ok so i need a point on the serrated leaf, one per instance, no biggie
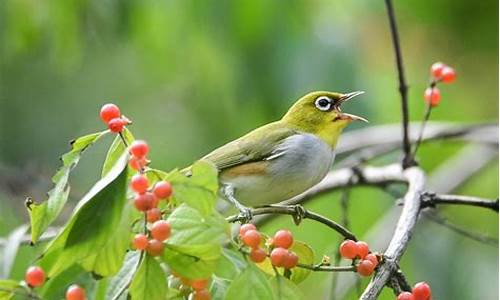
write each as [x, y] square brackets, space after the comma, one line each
[116, 150]
[149, 281]
[199, 190]
[306, 256]
[284, 289]
[43, 214]
[120, 282]
[10, 250]
[189, 227]
[251, 284]
[192, 261]
[8, 288]
[94, 221]
[230, 264]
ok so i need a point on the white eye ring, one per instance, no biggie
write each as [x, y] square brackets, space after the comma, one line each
[323, 103]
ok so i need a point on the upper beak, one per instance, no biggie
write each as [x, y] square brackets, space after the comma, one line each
[346, 116]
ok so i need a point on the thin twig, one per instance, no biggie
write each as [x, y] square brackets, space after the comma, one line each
[323, 268]
[403, 86]
[432, 199]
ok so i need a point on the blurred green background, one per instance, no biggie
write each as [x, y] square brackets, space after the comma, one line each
[193, 75]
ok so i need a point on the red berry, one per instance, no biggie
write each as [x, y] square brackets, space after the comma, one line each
[161, 230]
[153, 215]
[258, 255]
[251, 238]
[373, 258]
[137, 163]
[162, 189]
[155, 248]
[201, 295]
[246, 227]
[365, 268]
[75, 292]
[348, 249]
[437, 69]
[283, 239]
[35, 276]
[140, 241]
[108, 112]
[144, 202]
[139, 148]
[362, 249]
[291, 260]
[139, 183]
[421, 291]
[116, 125]
[199, 284]
[432, 96]
[406, 296]
[278, 256]
[448, 75]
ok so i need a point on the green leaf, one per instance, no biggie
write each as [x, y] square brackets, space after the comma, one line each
[43, 214]
[219, 286]
[230, 264]
[189, 227]
[9, 252]
[284, 289]
[199, 190]
[306, 256]
[94, 221]
[56, 286]
[193, 261]
[120, 282]
[8, 288]
[116, 150]
[250, 285]
[149, 281]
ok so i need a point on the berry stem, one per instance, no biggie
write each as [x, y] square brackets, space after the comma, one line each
[426, 118]
[123, 139]
[323, 268]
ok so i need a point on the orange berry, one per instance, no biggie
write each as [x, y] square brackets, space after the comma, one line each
[153, 215]
[75, 292]
[283, 239]
[362, 249]
[432, 96]
[116, 125]
[199, 284]
[155, 248]
[373, 258]
[140, 241]
[251, 238]
[258, 255]
[290, 260]
[448, 75]
[406, 296]
[139, 183]
[437, 69]
[161, 230]
[421, 291]
[108, 112]
[365, 268]
[278, 256]
[35, 276]
[137, 163]
[144, 202]
[162, 189]
[139, 148]
[246, 227]
[348, 249]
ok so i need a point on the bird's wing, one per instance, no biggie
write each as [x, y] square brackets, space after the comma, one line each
[258, 145]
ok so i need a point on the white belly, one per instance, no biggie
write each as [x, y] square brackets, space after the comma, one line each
[297, 164]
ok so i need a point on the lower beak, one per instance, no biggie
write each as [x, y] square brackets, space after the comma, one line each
[346, 116]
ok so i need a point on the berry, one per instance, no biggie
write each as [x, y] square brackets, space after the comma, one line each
[251, 238]
[201, 295]
[153, 215]
[448, 75]
[75, 292]
[348, 249]
[437, 69]
[278, 256]
[137, 163]
[155, 248]
[406, 296]
[199, 284]
[373, 258]
[283, 239]
[362, 249]
[160, 230]
[139, 183]
[246, 227]
[108, 112]
[35, 276]
[162, 189]
[144, 202]
[290, 260]
[140, 241]
[365, 268]
[116, 125]
[421, 291]
[139, 148]
[258, 255]
[432, 96]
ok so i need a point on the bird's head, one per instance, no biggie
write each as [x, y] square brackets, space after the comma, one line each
[319, 113]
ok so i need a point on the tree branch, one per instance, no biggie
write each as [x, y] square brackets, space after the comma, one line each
[432, 199]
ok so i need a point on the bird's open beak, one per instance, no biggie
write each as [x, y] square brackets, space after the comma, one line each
[346, 116]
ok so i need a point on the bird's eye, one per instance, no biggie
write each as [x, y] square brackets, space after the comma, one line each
[323, 103]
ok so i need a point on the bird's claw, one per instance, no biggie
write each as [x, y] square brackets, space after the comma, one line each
[245, 214]
[299, 215]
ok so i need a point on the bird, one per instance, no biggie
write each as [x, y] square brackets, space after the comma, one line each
[282, 159]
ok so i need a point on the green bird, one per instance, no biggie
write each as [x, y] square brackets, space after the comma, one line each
[284, 158]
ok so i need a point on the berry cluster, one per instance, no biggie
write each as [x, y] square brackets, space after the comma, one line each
[359, 250]
[421, 291]
[35, 277]
[199, 288]
[280, 254]
[111, 115]
[439, 73]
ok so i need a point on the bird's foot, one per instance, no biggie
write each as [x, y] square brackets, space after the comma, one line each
[300, 213]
